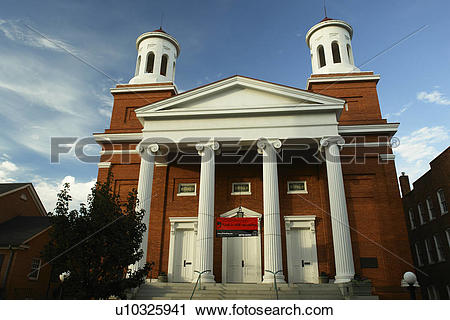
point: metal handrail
(198, 280)
(275, 279)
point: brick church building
(314, 167)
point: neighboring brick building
(314, 215)
(426, 212)
(24, 229)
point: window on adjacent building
(431, 251)
(442, 202)
(432, 293)
(430, 207)
(164, 61)
(239, 188)
(296, 187)
(448, 291)
(187, 189)
(321, 55)
(447, 233)
(419, 254)
(412, 221)
(439, 248)
(422, 217)
(150, 62)
(336, 53)
(35, 267)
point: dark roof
(6, 187)
(160, 30)
(19, 229)
(325, 19)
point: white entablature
(242, 107)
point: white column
(205, 227)
(144, 195)
(342, 243)
(272, 229)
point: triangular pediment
(237, 95)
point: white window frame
(297, 191)
(34, 268)
(420, 211)
(418, 254)
(238, 193)
(186, 194)
(428, 247)
(430, 208)
(411, 219)
(448, 290)
(439, 249)
(447, 233)
(442, 202)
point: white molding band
(369, 128)
(109, 152)
(340, 78)
(368, 144)
(118, 137)
(143, 89)
(104, 165)
(387, 157)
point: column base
(343, 278)
(207, 278)
(268, 278)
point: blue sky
(46, 92)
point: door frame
(306, 222)
(180, 223)
(248, 214)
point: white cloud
(48, 190)
(434, 96)
(417, 149)
(399, 113)
(7, 171)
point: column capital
(201, 146)
(327, 141)
(152, 148)
(264, 143)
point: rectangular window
(35, 266)
(431, 251)
(421, 213)
(241, 188)
(431, 211)
(411, 219)
(418, 254)
(294, 187)
(439, 248)
(187, 189)
(442, 202)
(447, 233)
(432, 293)
(448, 291)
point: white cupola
(330, 42)
(157, 55)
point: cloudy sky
(58, 60)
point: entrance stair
(219, 291)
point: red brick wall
(12, 205)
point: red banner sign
(236, 227)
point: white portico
(251, 114)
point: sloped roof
(18, 230)
(6, 187)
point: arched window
(336, 53)
(350, 54)
(164, 59)
(150, 62)
(321, 55)
(138, 65)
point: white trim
(14, 190)
(387, 157)
(185, 194)
(368, 144)
(297, 191)
(180, 223)
(411, 219)
(118, 137)
(122, 151)
(428, 246)
(420, 261)
(420, 212)
(104, 165)
(302, 221)
(143, 88)
(369, 128)
(245, 193)
(440, 254)
(447, 233)
(430, 207)
(247, 213)
(441, 201)
(340, 78)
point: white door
(302, 256)
(242, 260)
(183, 257)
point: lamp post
(411, 279)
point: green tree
(97, 244)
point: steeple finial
(325, 8)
